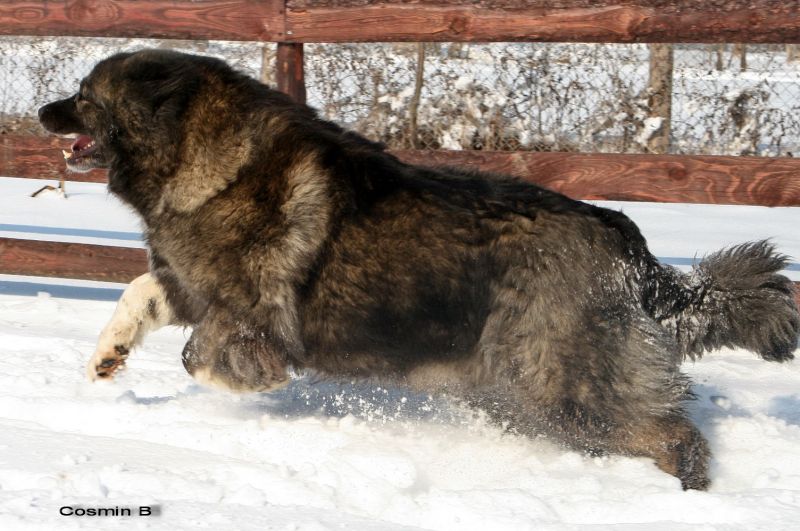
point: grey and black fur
(285, 241)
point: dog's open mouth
(84, 154)
(82, 147)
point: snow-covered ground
(323, 456)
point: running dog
(285, 241)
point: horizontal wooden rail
(71, 260)
(85, 262)
(762, 21)
(524, 20)
(660, 178)
(663, 178)
(244, 20)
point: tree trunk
(720, 64)
(741, 51)
(413, 106)
(267, 73)
(660, 96)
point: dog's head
(127, 109)
(84, 113)
(174, 129)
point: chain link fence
(35, 71)
(622, 98)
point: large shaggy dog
(285, 241)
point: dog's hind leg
(609, 382)
(676, 446)
(638, 403)
(673, 442)
(142, 308)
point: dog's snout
(46, 114)
(60, 117)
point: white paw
(106, 362)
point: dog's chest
(208, 262)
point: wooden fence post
(290, 76)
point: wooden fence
(290, 23)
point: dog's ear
(166, 83)
(61, 117)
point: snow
(318, 455)
(649, 127)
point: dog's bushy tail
(732, 298)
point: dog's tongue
(81, 143)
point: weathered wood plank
(71, 260)
(666, 178)
(662, 178)
(675, 21)
(252, 20)
(412, 20)
(289, 73)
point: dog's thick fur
(284, 240)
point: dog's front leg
(142, 308)
(228, 353)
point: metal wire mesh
(35, 71)
(724, 99)
(629, 98)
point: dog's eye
(80, 98)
